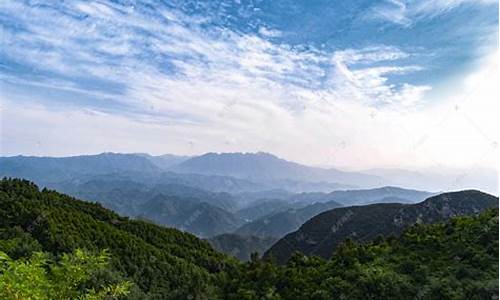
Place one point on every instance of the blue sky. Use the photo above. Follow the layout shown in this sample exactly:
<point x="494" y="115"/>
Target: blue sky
<point x="356" y="84"/>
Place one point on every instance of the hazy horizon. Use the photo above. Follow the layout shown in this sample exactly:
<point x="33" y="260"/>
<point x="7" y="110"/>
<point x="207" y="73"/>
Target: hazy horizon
<point x="423" y="168"/>
<point x="435" y="179"/>
<point x="366" y="84"/>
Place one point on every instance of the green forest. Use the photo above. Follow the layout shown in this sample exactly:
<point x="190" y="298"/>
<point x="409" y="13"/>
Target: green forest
<point x="53" y="246"/>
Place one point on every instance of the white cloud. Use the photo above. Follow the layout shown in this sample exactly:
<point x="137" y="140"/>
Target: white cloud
<point x="267" y="32"/>
<point x="369" y="84"/>
<point x="227" y="92"/>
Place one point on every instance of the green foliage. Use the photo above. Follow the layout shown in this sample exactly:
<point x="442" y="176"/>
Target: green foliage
<point x="453" y="260"/>
<point x="163" y="263"/>
<point x="326" y="231"/>
<point x="16" y="243"/>
<point x="240" y="246"/>
<point x="39" y="277"/>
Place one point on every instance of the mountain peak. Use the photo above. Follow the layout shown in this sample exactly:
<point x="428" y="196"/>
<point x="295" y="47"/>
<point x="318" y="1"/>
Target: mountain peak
<point x="263" y="167"/>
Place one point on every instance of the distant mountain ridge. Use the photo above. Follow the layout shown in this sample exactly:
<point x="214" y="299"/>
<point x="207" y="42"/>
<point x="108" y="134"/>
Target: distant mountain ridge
<point x="232" y="171"/>
<point x="222" y="192"/>
<point x="164" y="161"/>
<point x="262" y="166"/>
<point x="47" y="170"/>
<point x="278" y="224"/>
<point x="304" y="206"/>
<point x="324" y="232"/>
<point x="367" y="196"/>
<point x="240" y="172"/>
<point x="189" y="214"/>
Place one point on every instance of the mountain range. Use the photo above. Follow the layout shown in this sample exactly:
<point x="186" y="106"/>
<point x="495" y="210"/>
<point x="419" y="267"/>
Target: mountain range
<point x="265" y="167"/>
<point x="240" y="201"/>
<point x="238" y="172"/>
<point x="249" y="171"/>
<point x="453" y="260"/>
<point x="303" y="206"/>
<point x="326" y="231"/>
<point x="190" y="215"/>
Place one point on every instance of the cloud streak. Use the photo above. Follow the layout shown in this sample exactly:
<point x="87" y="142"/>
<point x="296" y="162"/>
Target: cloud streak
<point x="407" y="13"/>
<point x="125" y="44"/>
<point x="165" y="81"/>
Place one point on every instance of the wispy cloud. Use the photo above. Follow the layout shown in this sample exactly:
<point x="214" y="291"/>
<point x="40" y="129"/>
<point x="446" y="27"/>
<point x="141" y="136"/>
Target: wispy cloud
<point x="184" y="84"/>
<point x="130" y="45"/>
<point x="406" y="13"/>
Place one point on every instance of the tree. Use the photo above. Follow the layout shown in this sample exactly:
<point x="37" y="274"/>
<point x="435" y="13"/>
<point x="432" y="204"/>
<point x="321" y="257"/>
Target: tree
<point x="40" y="278"/>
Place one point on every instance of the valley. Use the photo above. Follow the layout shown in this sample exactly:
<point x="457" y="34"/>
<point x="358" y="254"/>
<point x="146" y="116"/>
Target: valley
<point x="207" y="195"/>
<point x="148" y="261"/>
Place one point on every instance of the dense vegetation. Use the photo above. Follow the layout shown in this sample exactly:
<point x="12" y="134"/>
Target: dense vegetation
<point x="241" y="246"/>
<point x="324" y="232"/>
<point x="77" y="275"/>
<point x="189" y="214"/>
<point x="278" y="224"/>
<point x="453" y="260"/>
<point x="163" y="263"/>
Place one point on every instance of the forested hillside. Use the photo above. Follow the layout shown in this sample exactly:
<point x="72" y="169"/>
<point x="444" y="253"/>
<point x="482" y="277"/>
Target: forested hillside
<point x="453" y="260"/>
<point x="241" y="246"/>
<point x="324" y="232"/>
<point x="163" y="263"/>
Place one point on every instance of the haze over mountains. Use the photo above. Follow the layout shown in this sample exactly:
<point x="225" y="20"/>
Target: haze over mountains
<point x="440" y="178"/>
<point x="241" y="202"/>
<point x="264" y="167"/>
<point x="259" y="171"/>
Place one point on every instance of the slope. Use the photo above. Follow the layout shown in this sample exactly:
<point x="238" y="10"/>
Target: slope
<point x="323" y="233"/>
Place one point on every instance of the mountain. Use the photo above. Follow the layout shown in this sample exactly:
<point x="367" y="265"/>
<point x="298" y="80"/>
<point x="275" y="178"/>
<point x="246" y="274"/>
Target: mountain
<point x="126" y="195"/>
<point x="213" y="183"/>
<point x="221" y="200"/>
<point x="453" y="260"/>
<point x="281" y="223"/>
<point x="189" y="214"/>
<point x="48" y="170"/>
<point x="226" y="172"/>
<point x="299" y="186"/>
<point x="59" y="172"/>
<point x="323" y="233"/>
<point x="190" y="209"/>
<point x="252" y="197"/>
<point x="119" y="194"/>
<point x="164" y="161"/>
<point x="264" y="167"/>
<point x="263" y="207"/>
<point x="163" y="263"/>
<point x="240" y="246"/>
<point x="367" y="196"/>
<point x="303" y="206"/>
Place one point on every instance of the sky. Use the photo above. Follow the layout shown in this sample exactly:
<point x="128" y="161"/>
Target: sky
<point x="353" y="84"/>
